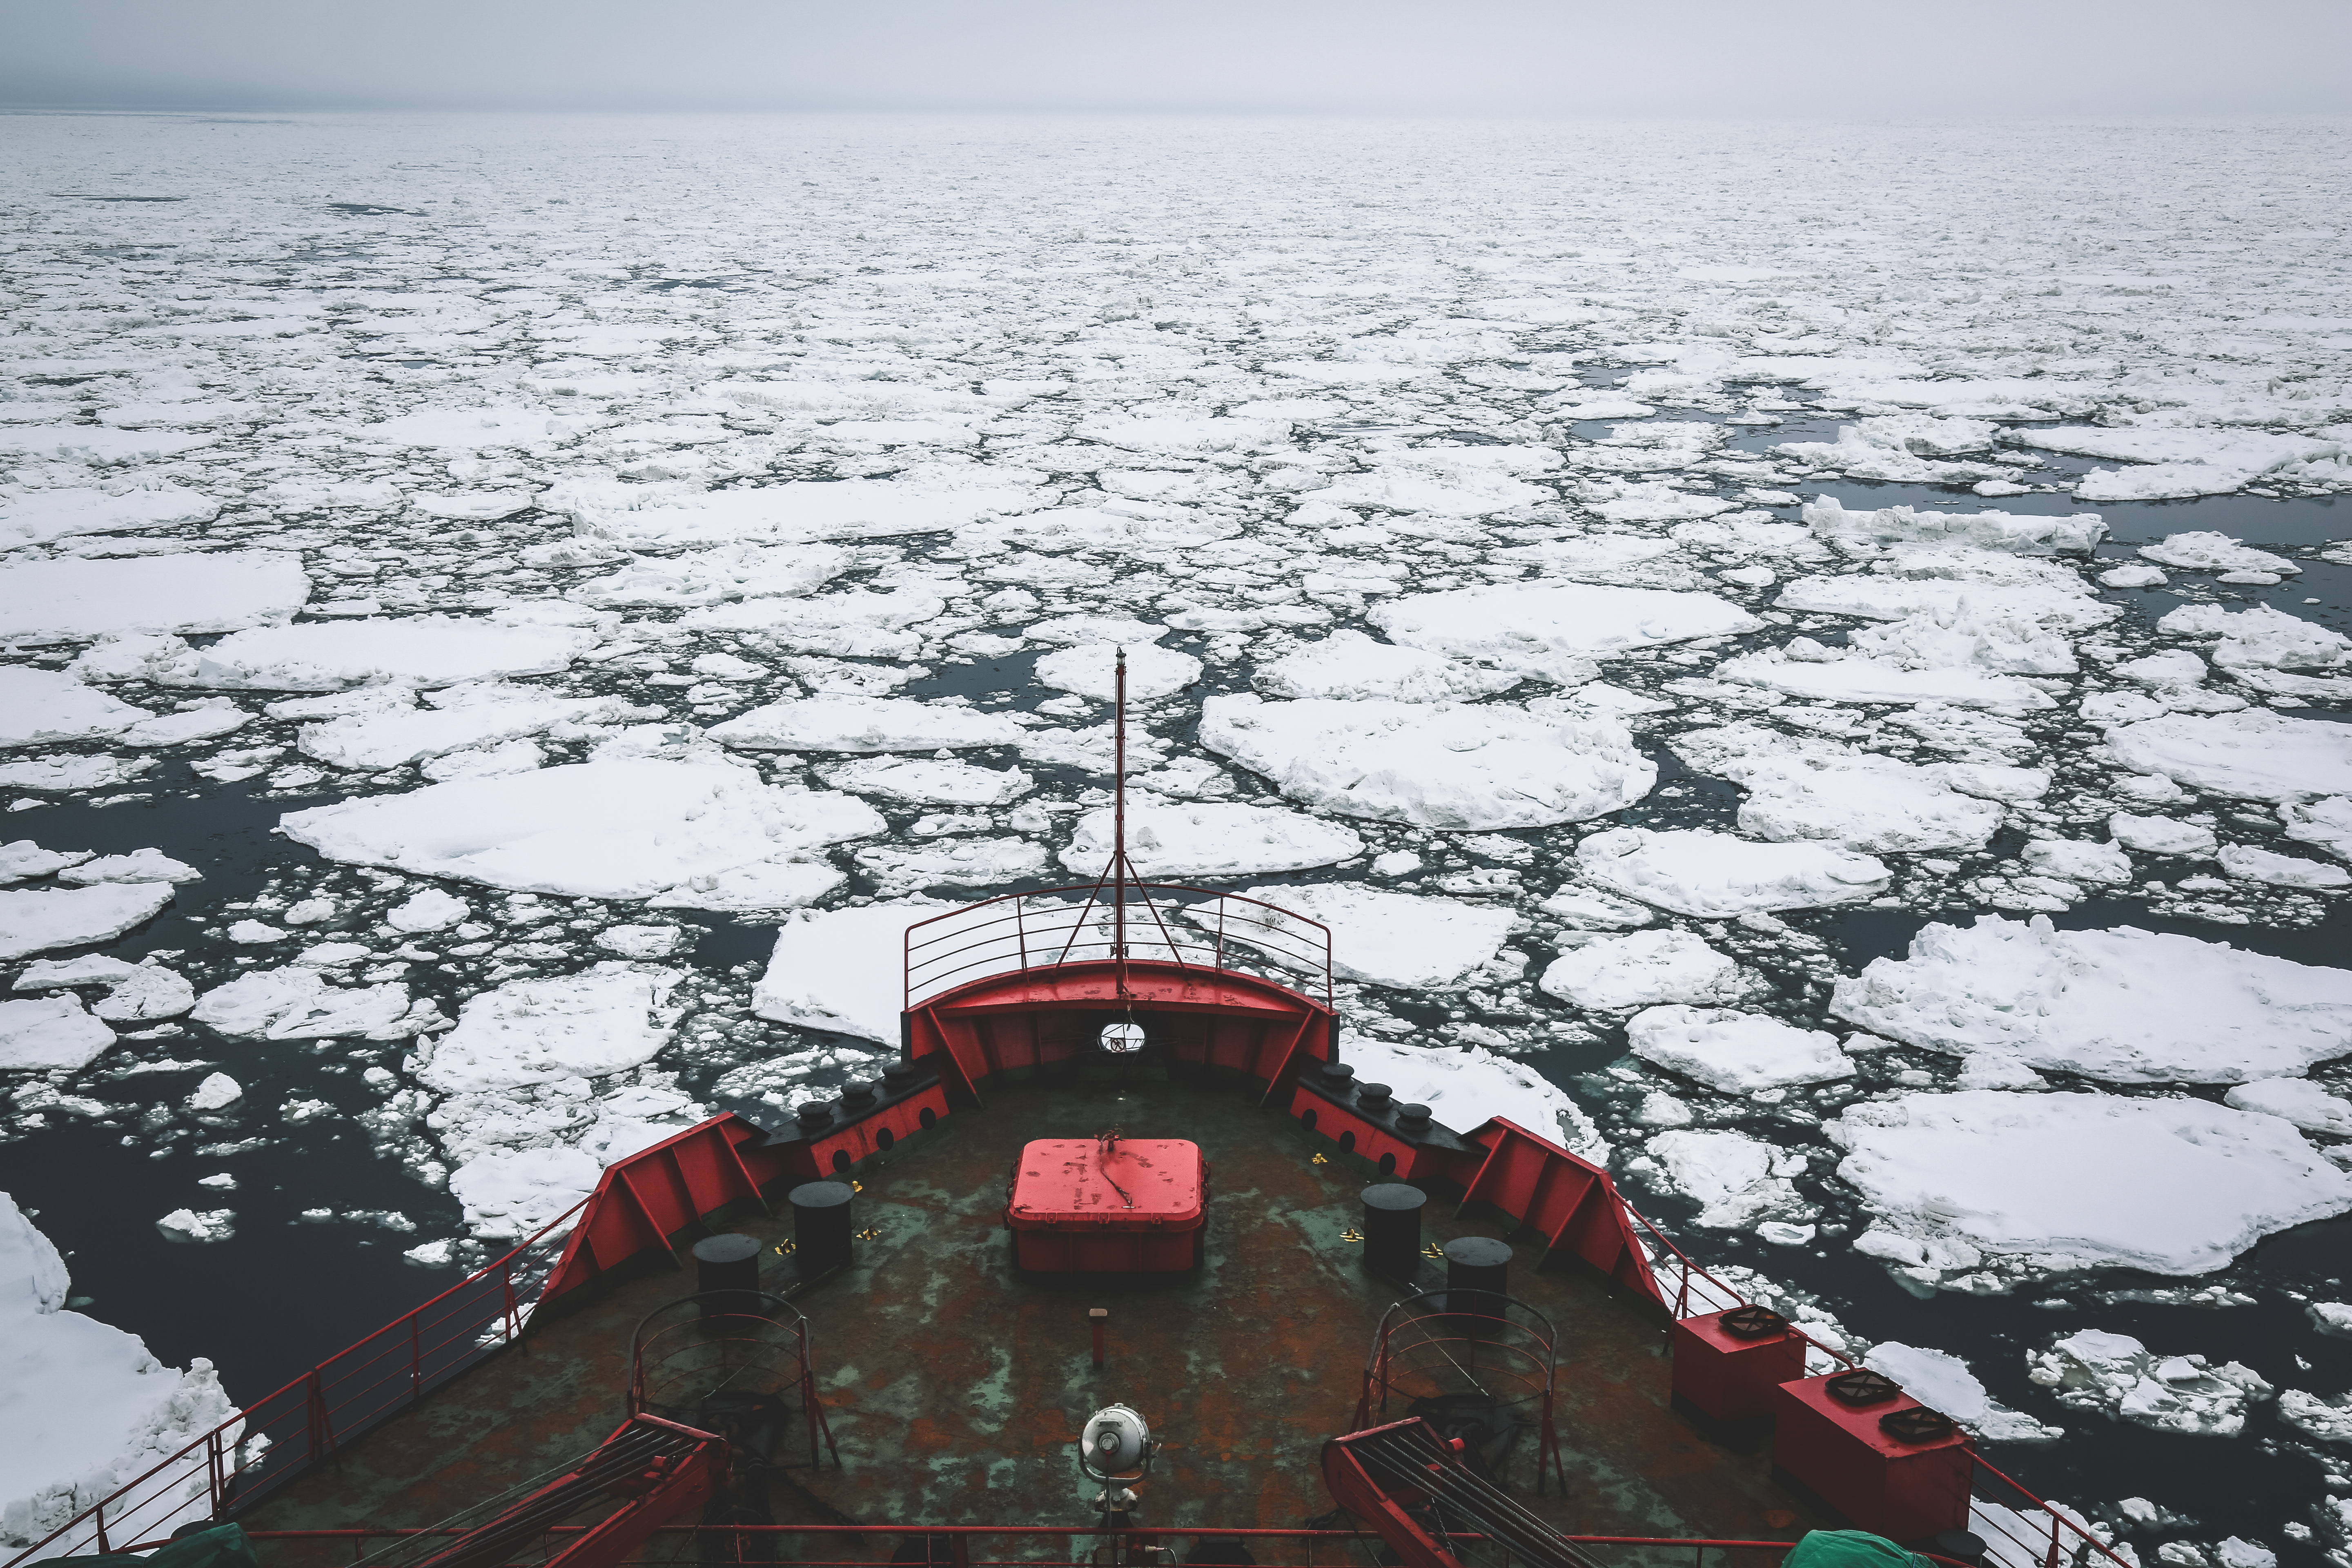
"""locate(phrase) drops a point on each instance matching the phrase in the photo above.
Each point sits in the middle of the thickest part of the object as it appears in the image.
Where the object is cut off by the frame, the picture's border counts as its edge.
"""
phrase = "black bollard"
(820, 1226)
(1393, 1230)
(726, 1274)
(1477, 1278)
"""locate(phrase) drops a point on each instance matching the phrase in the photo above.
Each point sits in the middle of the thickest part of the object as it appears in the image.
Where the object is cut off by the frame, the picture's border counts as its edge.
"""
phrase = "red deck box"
(1067, 1214)
(1729, 1376)
(1905, 1491)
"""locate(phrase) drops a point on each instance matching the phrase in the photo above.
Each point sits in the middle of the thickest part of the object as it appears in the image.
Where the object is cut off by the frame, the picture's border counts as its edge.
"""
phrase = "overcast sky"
(1825, 58)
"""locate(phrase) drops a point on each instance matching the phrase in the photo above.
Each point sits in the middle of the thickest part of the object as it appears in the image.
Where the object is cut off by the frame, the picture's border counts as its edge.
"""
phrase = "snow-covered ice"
(1207, 839)
(2255, 754)
(84, 1407)
(1477, 766)
(842, 970)
(1711, 875)
(928, 781)
(1643, 969)
(329, 656)
(76, 601)
(296, 1002)
(2126, 1005)
(1349, 666)
(619, 829)
(1733, 1051)
(39, 707)
(2296, 1099)
(1805, 787)
(865, 724)
(1553, 630)
(1409, 940)
(2123, 1380)
(50, 1032)
(1943, 1382)
(1972, 1190)
(1736, 1179)
(41, 919)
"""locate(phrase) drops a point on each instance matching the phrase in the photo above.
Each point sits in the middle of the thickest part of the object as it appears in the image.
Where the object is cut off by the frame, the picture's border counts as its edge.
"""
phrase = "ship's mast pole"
(1118, 868)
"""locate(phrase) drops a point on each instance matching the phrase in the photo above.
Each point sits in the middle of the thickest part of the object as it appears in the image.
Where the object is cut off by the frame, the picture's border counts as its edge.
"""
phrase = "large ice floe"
(1464, 1088)
(1552, 630)
(1210, 840)
(618, 829)
(2125, 1005)
(844, 970)
(1433, 764)
(1349, 666)
(42, 707)
(1406, 940)
(329, 656)
(533, 1104)
(1943, 1382)
(1735, 1052)
(1975, 1190)
(865, 724)
(75, 601)
(1643, 969)
(84, 1407)
(1737, 1180)
(1806, 787)
(1712, 875)
(2255, 754)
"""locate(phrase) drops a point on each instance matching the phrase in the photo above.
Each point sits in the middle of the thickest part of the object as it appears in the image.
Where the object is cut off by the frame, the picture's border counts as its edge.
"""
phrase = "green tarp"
(223, 1546)
(1849, 1549)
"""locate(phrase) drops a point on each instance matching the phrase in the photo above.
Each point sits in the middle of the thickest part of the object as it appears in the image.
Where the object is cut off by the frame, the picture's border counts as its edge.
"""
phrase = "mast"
(1119, 866)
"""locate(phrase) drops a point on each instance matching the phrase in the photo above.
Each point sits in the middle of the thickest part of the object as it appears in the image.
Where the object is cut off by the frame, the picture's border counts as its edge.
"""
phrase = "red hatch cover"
(1070, 1183)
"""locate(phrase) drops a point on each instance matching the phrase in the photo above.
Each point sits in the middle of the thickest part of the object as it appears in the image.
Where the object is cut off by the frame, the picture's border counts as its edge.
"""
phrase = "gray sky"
(1808, 59)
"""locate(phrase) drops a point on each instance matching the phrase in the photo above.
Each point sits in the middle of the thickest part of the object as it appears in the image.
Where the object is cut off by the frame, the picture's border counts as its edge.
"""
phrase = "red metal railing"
(956, 1540)
(1161, 923)
(2021, 1529)
(279, 1435)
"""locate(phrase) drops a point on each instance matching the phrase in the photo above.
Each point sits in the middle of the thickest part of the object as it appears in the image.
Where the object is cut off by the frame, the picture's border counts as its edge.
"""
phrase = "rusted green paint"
(955, 1389)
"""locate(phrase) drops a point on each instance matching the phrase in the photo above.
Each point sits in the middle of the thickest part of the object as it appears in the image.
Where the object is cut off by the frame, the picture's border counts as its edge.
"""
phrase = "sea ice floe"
(2123, 1380)
(1552, 630)
(2251, 755)
(618, 829)
(1409, 940)
(641, 941)
(1919, 584)
(218, 1091)
(1943, 1382)
(956, 863)
(1089, 669)
(39, 707)
(1807, 668)
(602, 1021)
(1735, 1052)
(139, 866)
(1433, 764)
(2126, 1005)
(71, 600)
(297, 1004)
(2325, 823)
(2209, 551)
(427, 909)
(715, 576)
(2296, 1099)
(655, 517)
(1974, 1190)
(1804, 787)
(95, 1410)
(328, 656)
(1465, 1087)
(35, 517)
(854, 624)
(2161, 835)
(1713, 875)
(37, 921)
(1736, 1179)
(1643, 969)
(1873, 534)
(1205, 838)
(1581, 907)
(2077, 860)
(760, 887)
(2250, 864)
(23, 859)
(865, 724)
(842, 971)
(49, 1033)
(461, 717)
(928, 781)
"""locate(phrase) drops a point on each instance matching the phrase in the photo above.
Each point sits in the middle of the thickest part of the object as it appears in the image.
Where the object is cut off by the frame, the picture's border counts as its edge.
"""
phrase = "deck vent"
(1754, 1323)
(1917, 1425)
(1862, 1387)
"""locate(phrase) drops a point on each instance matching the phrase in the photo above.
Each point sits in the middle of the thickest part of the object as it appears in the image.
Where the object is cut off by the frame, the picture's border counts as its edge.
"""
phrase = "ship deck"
(955, 1388)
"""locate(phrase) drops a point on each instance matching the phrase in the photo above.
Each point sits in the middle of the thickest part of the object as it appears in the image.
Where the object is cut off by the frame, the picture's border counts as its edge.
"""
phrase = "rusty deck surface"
(956, 1390)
